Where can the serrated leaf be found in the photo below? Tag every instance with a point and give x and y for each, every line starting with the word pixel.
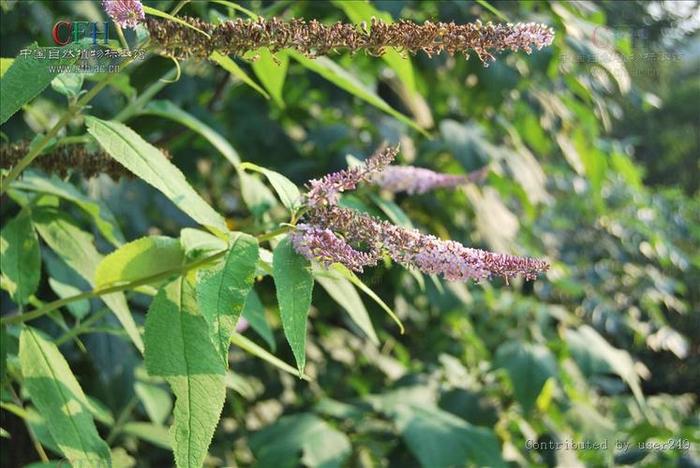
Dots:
pixel 148 163
pixel 138 259
pixel 529 366
pixel 156 401
pixel 256 195
pixel 271 70
pixel 294 284
pixel 168 110
pixel 254 313
pixel 232 67
pixel 58 397
pixel 340 77
pixel 222 291
pixel 103 218
pixel 20 257
pixel 76 247
pixel 344 293
pixel 25 79
pixel 179 349
pixel 286 189
pixel 319 444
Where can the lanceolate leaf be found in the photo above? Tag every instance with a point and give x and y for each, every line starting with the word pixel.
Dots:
pixel 179 349
pixel 77 249
pixel 20 257
pixel 294 284
pixel 221 292
pixel 232 67
pixel 168 110
pixel 148 163
pixel 340 77
pixel 25 79
pixel 143 257
pixel 104 220
pixel 271 70
pixel 254 313
pixel 58 397
pixel 285 188
pixel 344 293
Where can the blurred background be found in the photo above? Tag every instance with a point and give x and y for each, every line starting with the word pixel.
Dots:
pixel 593 155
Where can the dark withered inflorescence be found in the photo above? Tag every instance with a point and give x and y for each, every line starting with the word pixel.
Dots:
pixel 63 159
pixel 313 38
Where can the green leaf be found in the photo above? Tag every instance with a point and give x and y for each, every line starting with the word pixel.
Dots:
pixel 153 433
pixel 288 192
pixel 68 83
pixel 179 349
pixel 439 439
pixel 58 397
pixel 256 196
pixel 294 284
pixel 143 257
pixel 344 293
pixel 76 248
pixel 168 110
pixel 156 401
pixel 65 282
pixel 595 355
pixel 254 313
pixel 222 291
pixel 5 64
pixel 318 442
pixel 4 339
pixel 340 77
pixel 271 70
pixel 148 163
pixel 161 14
pixel 250 347
pixel 232 67
pixel 103 218
pixel 20 257
pixel 365 11
pixel 198 243
pixel 25 79
pixel 529 366
pixel 350 275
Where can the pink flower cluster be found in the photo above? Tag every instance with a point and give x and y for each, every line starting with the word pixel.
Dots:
pixel 126 13
pixel 418 180
pixel 335 234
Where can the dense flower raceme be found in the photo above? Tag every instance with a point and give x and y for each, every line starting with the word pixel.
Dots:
pixel 63 159
pixel 418 180
pixel 126 13
pixel 336 234
pixel 313 38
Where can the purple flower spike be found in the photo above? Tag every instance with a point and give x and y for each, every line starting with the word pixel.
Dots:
pixel 325 191
pixel 126 13
pixel 325 247
pixel 418 180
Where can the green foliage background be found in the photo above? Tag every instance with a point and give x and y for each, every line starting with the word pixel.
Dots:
pixel 592 151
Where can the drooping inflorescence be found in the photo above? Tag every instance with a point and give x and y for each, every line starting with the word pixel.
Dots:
pixel 63 159
pixel 418 180
pixel 335 234
pixel 313 38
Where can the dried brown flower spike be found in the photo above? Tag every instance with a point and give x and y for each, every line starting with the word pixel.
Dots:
pixel 313 38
